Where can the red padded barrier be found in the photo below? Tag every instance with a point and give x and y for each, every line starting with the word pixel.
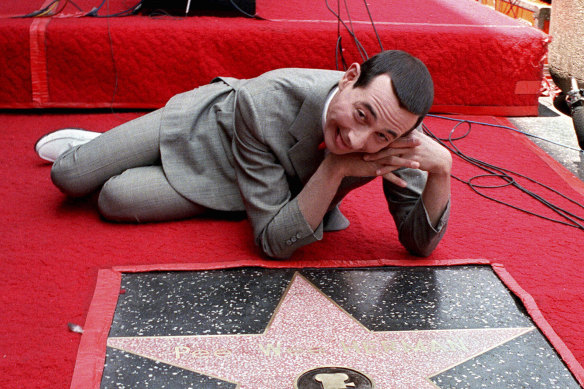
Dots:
pixel 482 62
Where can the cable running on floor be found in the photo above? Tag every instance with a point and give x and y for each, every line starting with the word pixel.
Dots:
pixel 565 217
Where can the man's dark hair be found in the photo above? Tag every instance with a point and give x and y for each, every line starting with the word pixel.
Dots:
pixel 410 79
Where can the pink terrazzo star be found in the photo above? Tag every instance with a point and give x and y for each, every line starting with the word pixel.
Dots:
pixel 307 331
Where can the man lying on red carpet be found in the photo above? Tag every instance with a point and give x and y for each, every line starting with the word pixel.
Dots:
pixel 286 147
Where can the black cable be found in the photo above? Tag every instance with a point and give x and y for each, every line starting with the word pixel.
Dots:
pixel 373 24
pixel 497 172
pixel 339 46
pixel 63 8
pixel 570 219
pixel 360 47
pixel 254 16
pixel 76 6
pixel 160 14
pixel 95 10
pixel 363 53
pixel 38 12
pixel 350 30
pixel 484 164
pixel 128 12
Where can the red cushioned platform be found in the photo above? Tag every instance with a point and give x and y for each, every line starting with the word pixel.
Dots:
pixel 482 61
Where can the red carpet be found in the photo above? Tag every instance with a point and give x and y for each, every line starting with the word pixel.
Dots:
pixel 482 62
pixel 53 248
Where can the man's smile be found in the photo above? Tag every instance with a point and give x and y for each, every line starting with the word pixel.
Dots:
pixel 340 141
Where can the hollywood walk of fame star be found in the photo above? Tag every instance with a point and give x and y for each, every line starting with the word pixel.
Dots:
pixel 307 331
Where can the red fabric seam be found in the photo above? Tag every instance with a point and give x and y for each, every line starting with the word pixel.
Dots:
pixel 38 62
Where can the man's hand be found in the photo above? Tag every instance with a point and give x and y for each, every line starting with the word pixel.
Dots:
pixel 418 148
pixel 417 151
pixel 319 191
pixel 368 165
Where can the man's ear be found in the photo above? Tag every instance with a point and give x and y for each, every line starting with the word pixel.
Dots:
pixel 351 75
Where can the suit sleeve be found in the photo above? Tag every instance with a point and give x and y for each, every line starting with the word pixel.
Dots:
pixel 415 230
pixel 278 225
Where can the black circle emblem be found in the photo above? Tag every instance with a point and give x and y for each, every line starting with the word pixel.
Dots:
pixel 333 378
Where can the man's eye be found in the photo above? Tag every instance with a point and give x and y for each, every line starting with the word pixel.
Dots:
pixel 382 136
pixel 361 114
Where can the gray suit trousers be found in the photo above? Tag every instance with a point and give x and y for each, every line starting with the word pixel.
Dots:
pixel 123 164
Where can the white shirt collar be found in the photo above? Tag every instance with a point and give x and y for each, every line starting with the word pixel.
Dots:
pixel 327 103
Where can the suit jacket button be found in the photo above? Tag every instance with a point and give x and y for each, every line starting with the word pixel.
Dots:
pixel 288 242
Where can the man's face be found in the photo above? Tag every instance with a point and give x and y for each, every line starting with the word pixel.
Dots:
pixel 365 119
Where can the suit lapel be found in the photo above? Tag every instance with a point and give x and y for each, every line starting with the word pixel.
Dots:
pixel 305 155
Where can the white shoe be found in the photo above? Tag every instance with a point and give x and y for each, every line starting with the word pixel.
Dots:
pixel 50 146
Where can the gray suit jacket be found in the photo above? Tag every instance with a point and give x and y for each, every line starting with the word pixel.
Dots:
pixel 252 145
